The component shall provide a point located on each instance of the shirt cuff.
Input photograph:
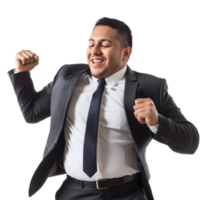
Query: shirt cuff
(154, 129)
(15, 71)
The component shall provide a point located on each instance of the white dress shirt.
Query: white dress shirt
(116, 155)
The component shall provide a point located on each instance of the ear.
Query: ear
(129, 50)
(127, 53)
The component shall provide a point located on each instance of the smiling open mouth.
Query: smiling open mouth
(97, 63)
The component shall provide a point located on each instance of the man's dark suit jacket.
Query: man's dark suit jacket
(175, 130)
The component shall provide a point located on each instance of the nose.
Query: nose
(95, 50)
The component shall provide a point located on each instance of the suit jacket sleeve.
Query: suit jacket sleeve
(35, 106)
(174, 129)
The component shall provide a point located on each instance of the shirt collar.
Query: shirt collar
(113, 78)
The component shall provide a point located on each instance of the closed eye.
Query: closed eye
(102, 46)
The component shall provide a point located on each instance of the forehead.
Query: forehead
(105, 32)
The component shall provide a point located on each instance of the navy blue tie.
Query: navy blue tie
(90, 142)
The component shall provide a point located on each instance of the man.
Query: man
(103, 116)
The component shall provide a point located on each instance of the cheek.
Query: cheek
(86, 56)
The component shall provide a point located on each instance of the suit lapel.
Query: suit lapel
(130, 92)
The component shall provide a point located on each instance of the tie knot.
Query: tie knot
(101, 81)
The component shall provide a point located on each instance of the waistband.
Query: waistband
(106, 183)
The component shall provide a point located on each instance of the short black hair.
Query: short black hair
(124, 32)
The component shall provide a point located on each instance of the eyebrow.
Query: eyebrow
(101, 40)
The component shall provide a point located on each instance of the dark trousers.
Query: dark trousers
(73, 191)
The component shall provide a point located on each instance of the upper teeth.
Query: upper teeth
(97, 61)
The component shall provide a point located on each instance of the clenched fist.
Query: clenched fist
(145, 111)
(26, 60)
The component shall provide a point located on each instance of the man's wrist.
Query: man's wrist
(156, 122)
